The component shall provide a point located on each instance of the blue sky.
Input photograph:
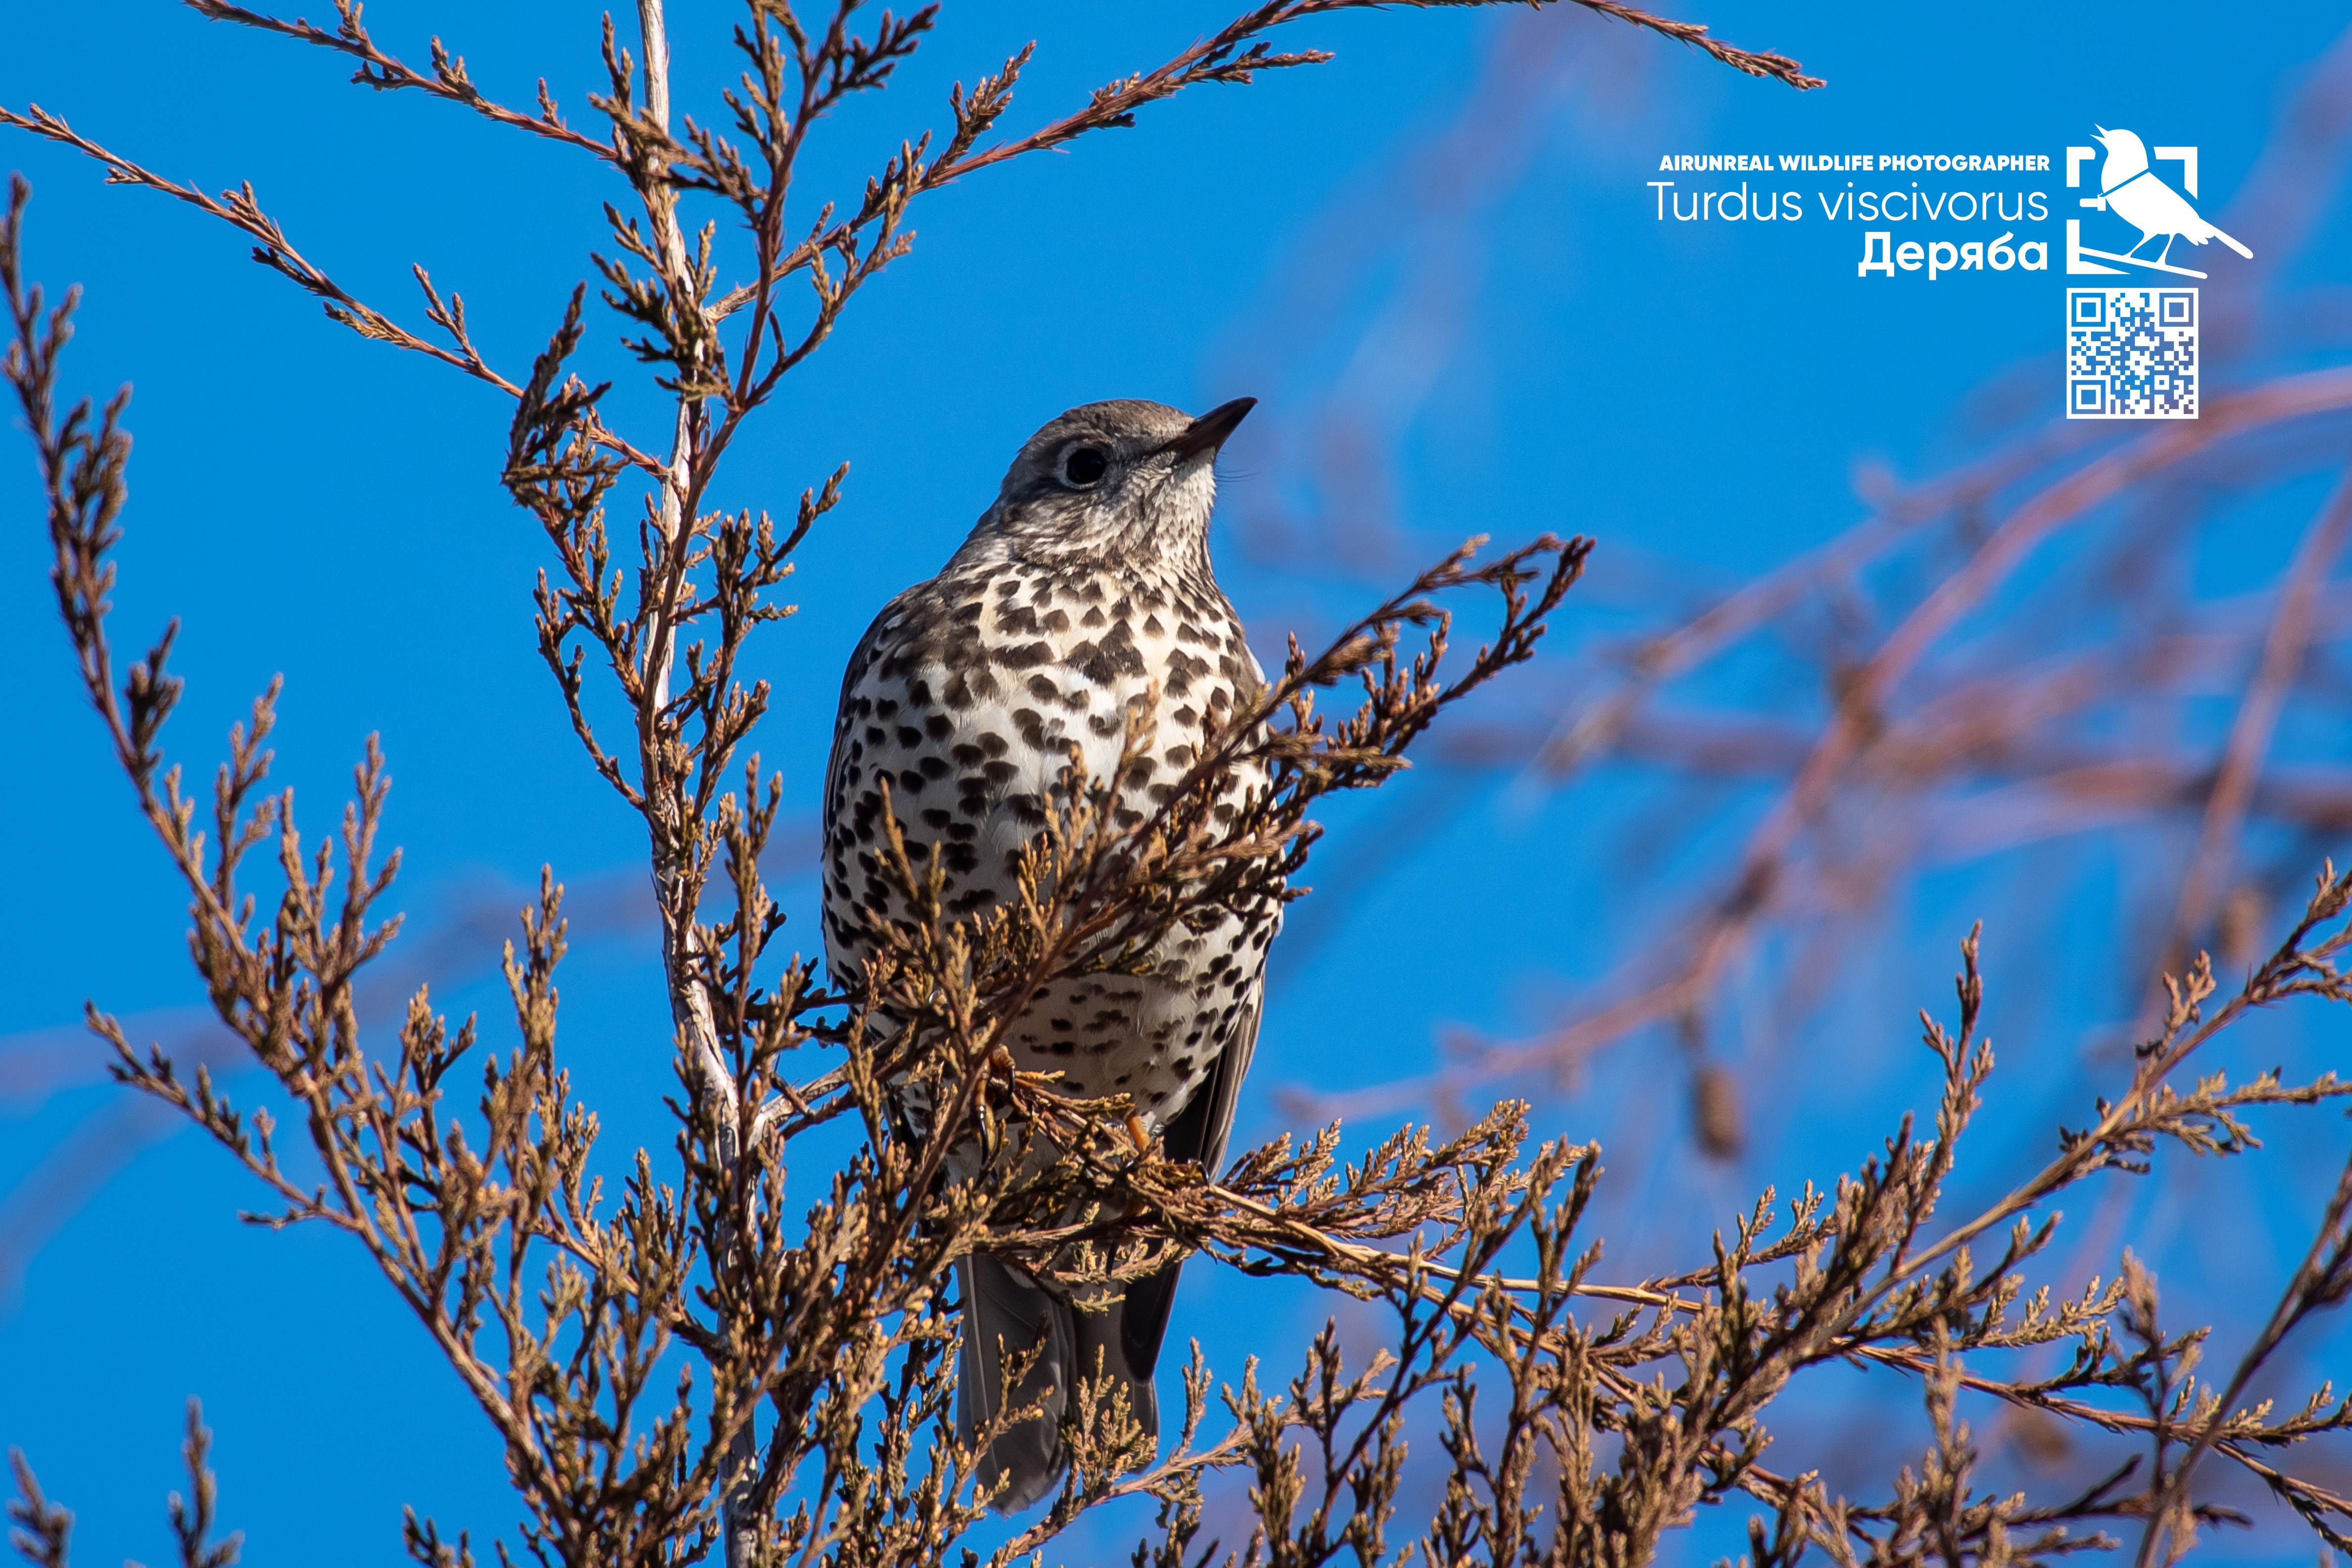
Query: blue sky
(1697, 397)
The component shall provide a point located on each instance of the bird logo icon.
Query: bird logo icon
(2130, 188)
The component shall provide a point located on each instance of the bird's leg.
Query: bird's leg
(2142, 240)
(2166, 253)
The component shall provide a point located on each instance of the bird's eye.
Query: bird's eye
(1083, 467)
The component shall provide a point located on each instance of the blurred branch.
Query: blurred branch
(1861, 724)
(1659, 659)
(2284, 648)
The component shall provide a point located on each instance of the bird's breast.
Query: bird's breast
(972, 709)
(963, 723)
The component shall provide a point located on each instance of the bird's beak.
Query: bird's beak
(1208, 432)
(2102, 136)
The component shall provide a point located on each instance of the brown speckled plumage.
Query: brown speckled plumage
(1085, 588)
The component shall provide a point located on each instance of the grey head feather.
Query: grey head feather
(1125, 482)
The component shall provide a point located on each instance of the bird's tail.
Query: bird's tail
(2231, 242)
(1005, 1314)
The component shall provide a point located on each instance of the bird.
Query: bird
(1083, 593)
(2131, 190)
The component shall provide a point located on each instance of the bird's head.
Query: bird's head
(2126, 153)
(1114, 478)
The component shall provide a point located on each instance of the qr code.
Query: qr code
(2131, 354)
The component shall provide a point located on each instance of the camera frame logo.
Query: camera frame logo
(2131, 190)
(2131, 354)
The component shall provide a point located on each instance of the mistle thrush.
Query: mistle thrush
(1084, 591)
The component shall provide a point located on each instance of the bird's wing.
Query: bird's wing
(843, 917)
(1213, 1103)
(1199, 1134)
(861, 659)
(870, 644)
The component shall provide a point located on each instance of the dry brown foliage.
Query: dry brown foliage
(706, 1361)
